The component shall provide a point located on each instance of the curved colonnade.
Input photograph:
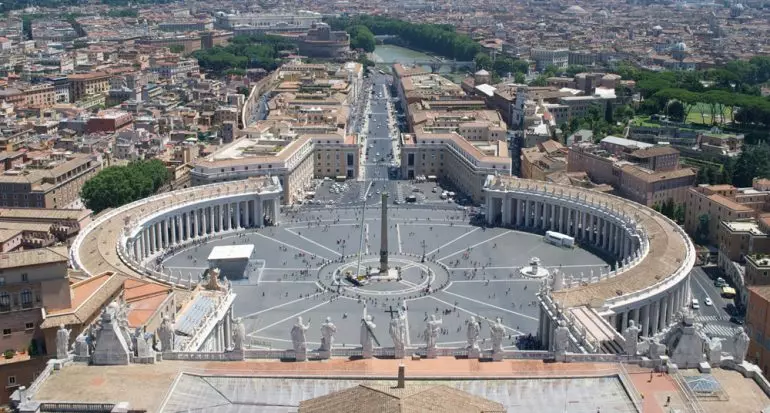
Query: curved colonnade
(127, 238)
(650, 283)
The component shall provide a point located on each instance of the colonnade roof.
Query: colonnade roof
(97, 249)
(668, 251)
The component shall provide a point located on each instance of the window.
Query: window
(29, 326)
(11, 380)
(6, 331)
(24, 278)
(26, 299)
(5, 301)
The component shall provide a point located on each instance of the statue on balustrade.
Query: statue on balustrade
(367, 334)
(397, 330)
(239, 334)
(328, 329)
(473, 332)
(62, 342)
(740, 345)
(497, 334)
(561, 339)
(166, 334)
(298, 338)
(631, 334)
(432, 330)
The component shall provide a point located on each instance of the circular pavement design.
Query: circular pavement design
(468, 270)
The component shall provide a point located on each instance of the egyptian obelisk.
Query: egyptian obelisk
(384, 235)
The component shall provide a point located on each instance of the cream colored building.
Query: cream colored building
(448, 155)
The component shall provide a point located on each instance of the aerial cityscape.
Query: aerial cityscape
(402, 206)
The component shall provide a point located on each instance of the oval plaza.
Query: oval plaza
(647, 279)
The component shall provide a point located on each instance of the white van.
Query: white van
(695, 304)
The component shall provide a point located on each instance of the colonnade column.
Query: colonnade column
(655, 315)
(663, 312)
(646, 320)
(527, 213)
(238, 215)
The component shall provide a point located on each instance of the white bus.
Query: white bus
(559, 239)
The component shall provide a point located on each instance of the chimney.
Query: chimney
(401, 373)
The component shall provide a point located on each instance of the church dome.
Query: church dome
(680, 47)
(658, 27)
(603, 14)
(482, 72)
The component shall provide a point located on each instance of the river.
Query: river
(393, 53)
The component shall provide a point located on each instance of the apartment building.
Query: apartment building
(758, 326)
(547, 57)
(448, 155)
(719, 203)
(295, 160)
(50, 180)
(84, 84)
(638, 171)
(31, 283)
(542, 160)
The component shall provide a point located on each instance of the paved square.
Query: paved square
(468, 270)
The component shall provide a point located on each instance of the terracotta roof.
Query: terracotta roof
(729, 203)
(88, 297)
(33, 257)
(649, 176)
(413, 398)
(761, 290)
(144, 298)
(654, 151)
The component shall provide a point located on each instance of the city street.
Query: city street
(716, 317)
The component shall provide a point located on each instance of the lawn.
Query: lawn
(695, 115)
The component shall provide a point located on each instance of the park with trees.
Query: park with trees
(245, 52)
(115, 186)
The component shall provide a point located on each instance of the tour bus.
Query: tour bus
(728, 292)
(559, 239)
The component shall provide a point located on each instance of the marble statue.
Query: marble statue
(298, 338)
(631, 334)
(82, 348)
(472, 333)
(561, 339)
(328, 329)
(367, 334)
(432, 330)
(143, 346)
(740, 345)
(715, 351)
(62, 342)
(166, 334)
(398, 332)
(239, 334)
(655, 349)
(497, 334)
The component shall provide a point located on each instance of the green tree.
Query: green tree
(675, 111)
(518, 77)
(176, 48)
(483, 61)
(362, 38)
(703, 230)
(118, 185)
(753, 162)
(679, 214)
(574, 125)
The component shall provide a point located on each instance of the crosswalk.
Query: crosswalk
(718, 330)
(710, 318)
